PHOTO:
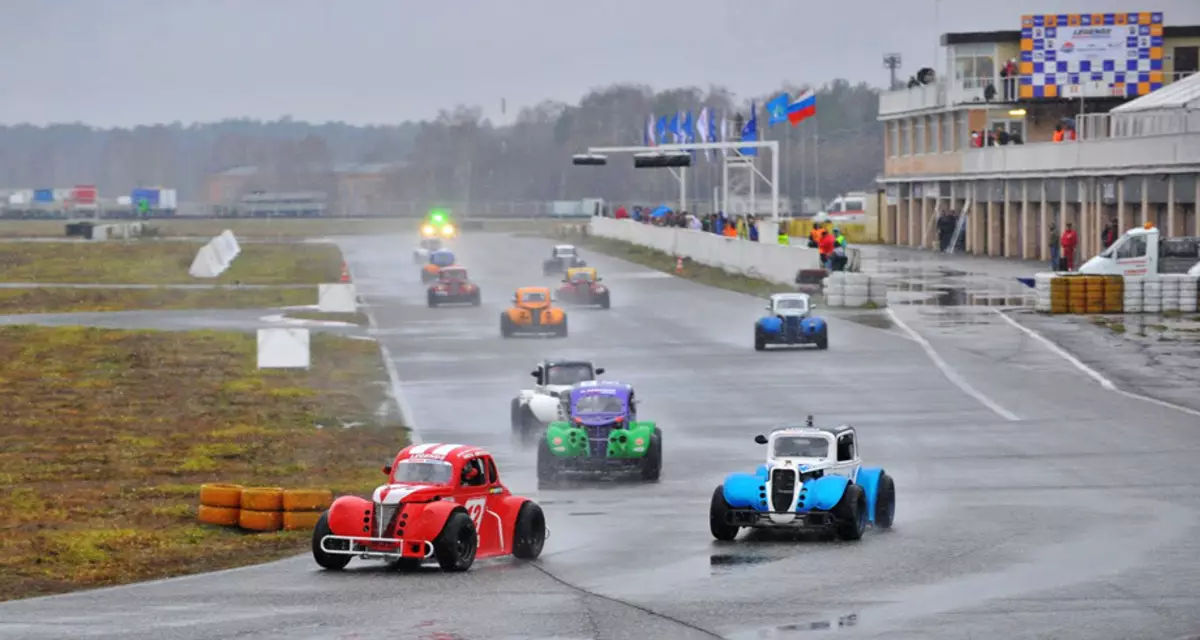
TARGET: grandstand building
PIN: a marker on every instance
(1077, 118)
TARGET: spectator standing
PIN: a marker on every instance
(1070, 240)
(1055, 262)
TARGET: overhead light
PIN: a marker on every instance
(1016, 113)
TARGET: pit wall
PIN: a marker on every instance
(765, 260)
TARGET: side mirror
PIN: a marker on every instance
(760, 439)
(811, 307)
(514, 298)
(387, 469)
(600, 371)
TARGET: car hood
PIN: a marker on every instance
(404, 492)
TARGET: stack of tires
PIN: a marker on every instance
(1076, 294)
(835, 289)
(1114, 294)
(857, 289)
(1171, 292)
(1133, 295)
(1093, 294)
(1189, 295)
(1152, 295)
(879, 290)
(262, 508)
(1043, 287)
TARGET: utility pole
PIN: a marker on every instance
(891, 62)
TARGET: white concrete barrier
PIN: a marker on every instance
(855, 290)
(766, 260)
(120, 230)
(1170, 290)
(215, 257)
(1189, 296)
(337, 298)
(284, 349)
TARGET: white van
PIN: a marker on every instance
(1142, 252)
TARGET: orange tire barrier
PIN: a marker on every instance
(307, 499)
(221, 495)
(300, 520)
(262, 499)
(225, 516)
(260, 520)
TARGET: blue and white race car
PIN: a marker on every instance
(789, 321)
(813, 479)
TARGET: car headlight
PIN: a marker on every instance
(448, 230)
(427, 230)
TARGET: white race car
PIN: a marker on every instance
(533, 409)
(428, 245)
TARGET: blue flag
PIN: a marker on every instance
(750, 131)
(689, 131)
(777, 109)
(675, 129)
(661, 129)
(648, 132)
(712, 128)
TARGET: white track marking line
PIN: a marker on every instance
(950, 373)
(1090, 372)
(397, 389)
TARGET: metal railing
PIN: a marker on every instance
(1135, 124)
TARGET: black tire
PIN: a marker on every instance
(562, 328)
(505, 326)
(851, 513)
(515, 412)
(760, 341)
(652, 463)
(530, 427)
(547, 466)
(330, 561)
(823, 339)
(604, 301)
(529, 534)
(456, 545)
(885, 502)
(718, 512)
(476, 299)
(431, 300)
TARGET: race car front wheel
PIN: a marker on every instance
(529, 534)
(652, 463)
(718, 517)
(331, 561)
(885, 502)
(851, 513)
(455, 547)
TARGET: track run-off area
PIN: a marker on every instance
(1032, 502)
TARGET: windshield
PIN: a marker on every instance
(564, 251)
(423, 471)
(599, 404)
(791, 303)
(582, 276)
(536, 296)
(454, 274)
(801, 447)
(568, 374)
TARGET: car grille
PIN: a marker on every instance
(598, 440)
(384, 514)
(791, 325)
(783, 487)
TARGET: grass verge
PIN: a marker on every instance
(62, 300)
(108, 435)
(357, 317)
(279, 229)
(163, 262)
(654, 259)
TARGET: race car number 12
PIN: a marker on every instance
(475, 508)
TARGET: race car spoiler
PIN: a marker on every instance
(365, 552)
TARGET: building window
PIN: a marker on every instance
(919, 136)
(904, 127)
(974, 71)
(894, 138)
(964, 130)
(948, 131)
(933, 127)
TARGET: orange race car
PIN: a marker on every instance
(532, 313)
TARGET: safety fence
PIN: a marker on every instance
(1060, 293)
(262, 508)
(856, 290)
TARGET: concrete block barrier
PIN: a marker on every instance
(1074, 293)
(855, 290)
(215, 257)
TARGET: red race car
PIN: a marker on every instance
(582, 287)
(453, 287)
(442, 502)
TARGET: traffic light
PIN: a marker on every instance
(660, 160)
(589, 160)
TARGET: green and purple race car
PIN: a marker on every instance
(600, 435)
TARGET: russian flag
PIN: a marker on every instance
(805, 106)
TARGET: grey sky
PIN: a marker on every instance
(125, 62)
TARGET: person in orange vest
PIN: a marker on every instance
(1058, 132)
(826, 247)
(814, 236)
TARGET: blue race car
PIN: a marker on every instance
(790, 323)
(813, 479)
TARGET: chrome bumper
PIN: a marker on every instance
(358, 547)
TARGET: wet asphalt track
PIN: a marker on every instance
(1078, 519)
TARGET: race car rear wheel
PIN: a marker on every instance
(652, 463)
(529, 534)
(718, 517)
(561, 331)
(330, 561)
(604, 300)
(431, 300)
(760, 341)
(475, 299)
(885, 502)
(851, 513)
(456, 545)
(822, 339)
(506, 329)
(515, 415)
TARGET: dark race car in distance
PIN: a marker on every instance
(453, 287)
(562, 257)
(582, 287)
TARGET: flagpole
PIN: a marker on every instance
(817, 160)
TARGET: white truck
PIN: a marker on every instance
(1142, 252)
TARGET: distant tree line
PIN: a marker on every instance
(458, 155)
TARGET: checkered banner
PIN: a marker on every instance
(1091, 55)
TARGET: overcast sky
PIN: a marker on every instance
(126, 62)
